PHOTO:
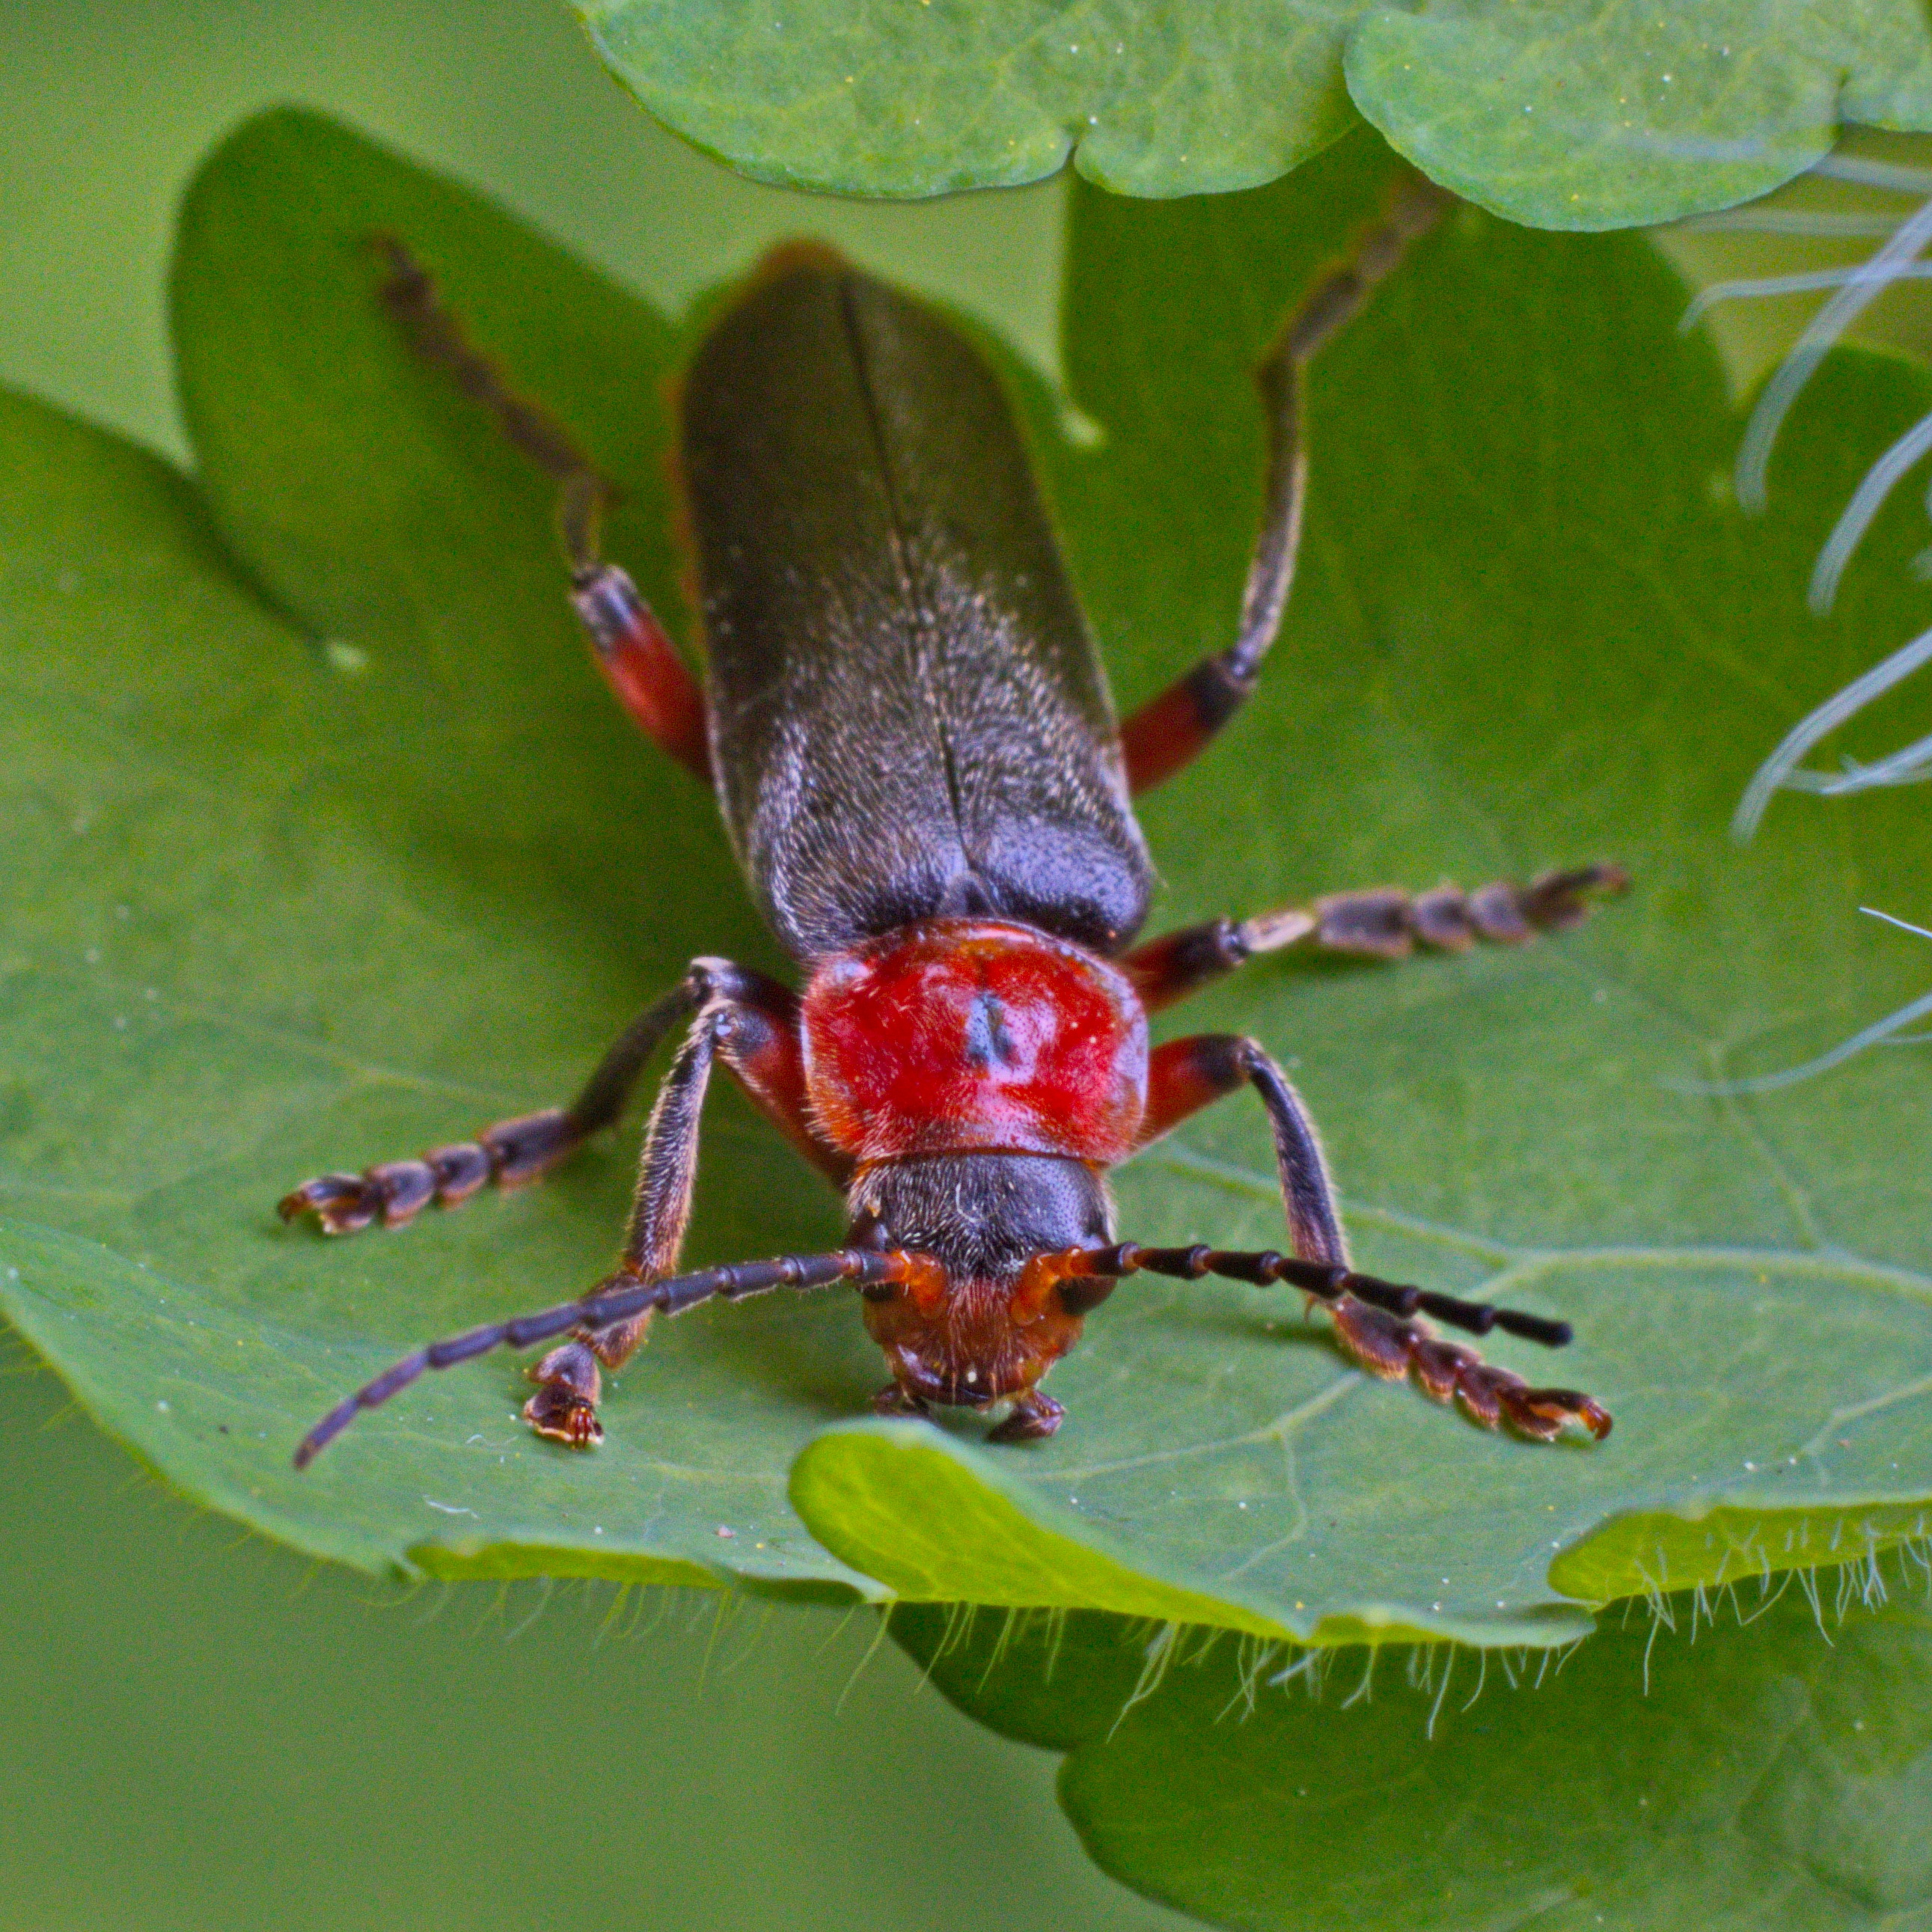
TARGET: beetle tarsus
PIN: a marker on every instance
(558, 1416)
(564, 1408)
(1378, 1325)
(394, 1191)
(1393, 1346)
(1032, 1418)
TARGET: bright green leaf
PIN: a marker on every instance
(1562, 114)
(1713, 1775)
(296, 893)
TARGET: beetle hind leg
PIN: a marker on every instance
(1384, 923)
(634, 650)
(1172, 728)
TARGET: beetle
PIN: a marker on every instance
(916, 755)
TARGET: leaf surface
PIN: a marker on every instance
(1562, 114)
(333, 848)
(1769, 1763)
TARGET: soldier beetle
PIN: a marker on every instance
(912, 743)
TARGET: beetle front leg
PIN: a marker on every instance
(1171, 730)
(568, 1379)
(751, 1023)
(1383, 923)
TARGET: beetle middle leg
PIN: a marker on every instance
(1170, 730)
(1377, 1322)
(765, 1060)
(634, 650)
(1384, 922)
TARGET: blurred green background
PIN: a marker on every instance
(197, 1730)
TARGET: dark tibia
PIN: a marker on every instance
(1384, 923)
(634, 650)
(1185, 1075)
(393, 1192)
(622, 1298)
(1376, 1323)
(1168, 732)
(436, 334)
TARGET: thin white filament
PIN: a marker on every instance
(1911, 766)
(1892, 919)
(1877, 1034)
(1799, 284)
(1868, 173)
(1879, 1031)
(1820, 724)
(1826, 223)
(1867, 499)
(1868, 281)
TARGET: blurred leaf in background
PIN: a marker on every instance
(1572, 114)
(1765, 1761)
(304, 889)
(205, 1733)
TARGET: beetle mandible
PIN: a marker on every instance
(917, 761)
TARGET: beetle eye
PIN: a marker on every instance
(868, 1231)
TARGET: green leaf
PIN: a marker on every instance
(302, 892)
(1773, 1768)
(1572, 114)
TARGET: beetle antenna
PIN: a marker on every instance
(1376, 1320)
(615, 1299)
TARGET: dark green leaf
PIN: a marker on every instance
(1714, 1774)
(295, 894)
(1563, 114)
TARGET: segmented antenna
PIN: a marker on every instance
(1374, 1320)
(614, 1300)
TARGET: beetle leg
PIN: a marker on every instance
(765, 1057)
(1378, 1325)
(750, 1024)
(1170, 730)
(1185, 1075)
(1377, 1322)
(1385, 923)
(634, 650)
(393, 1192)
(1032, 1418)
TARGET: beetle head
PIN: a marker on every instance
(986, 1317)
